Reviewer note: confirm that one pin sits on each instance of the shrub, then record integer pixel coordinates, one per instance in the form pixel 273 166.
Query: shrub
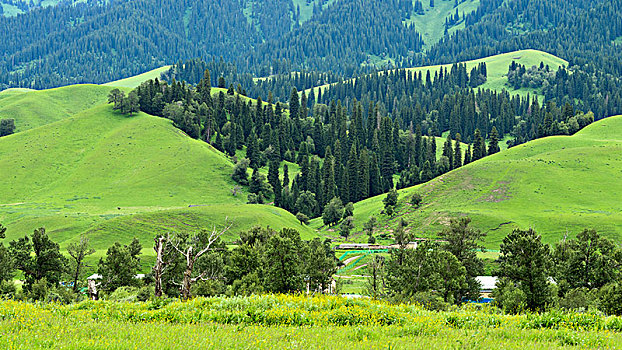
pixel 611 299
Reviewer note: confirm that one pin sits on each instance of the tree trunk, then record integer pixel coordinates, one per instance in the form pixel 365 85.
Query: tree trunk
pixel 158 268
pixel 186 284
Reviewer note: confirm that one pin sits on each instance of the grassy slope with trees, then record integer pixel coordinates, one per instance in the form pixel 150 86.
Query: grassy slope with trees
pixel 497 69
pixel 556 185
pixel 115 177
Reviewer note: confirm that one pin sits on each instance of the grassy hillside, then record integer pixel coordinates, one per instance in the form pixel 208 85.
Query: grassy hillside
pixel 32 109
pixel 431 24
pixel 136 80
pixel 116 177
pixel 556 185
pixel 497 69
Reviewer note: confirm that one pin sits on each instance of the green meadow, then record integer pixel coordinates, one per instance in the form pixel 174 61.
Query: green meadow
pixel 115 177
pixel 32 109
pixel 292 322
pixel 557 185
pixel 135 81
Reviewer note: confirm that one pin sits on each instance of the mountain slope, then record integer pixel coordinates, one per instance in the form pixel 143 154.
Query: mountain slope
pixel 95 171
pixel 497 69
pixel 556 185
pixel 32 109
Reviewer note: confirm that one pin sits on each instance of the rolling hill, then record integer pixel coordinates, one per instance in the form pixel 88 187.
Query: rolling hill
pixel 114 177
pixel 31 108
pixel 135 81
pixel 557 185
pixel 497 69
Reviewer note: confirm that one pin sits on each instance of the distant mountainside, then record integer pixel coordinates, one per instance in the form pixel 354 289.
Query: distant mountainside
pixel 99 42
pixel 95 41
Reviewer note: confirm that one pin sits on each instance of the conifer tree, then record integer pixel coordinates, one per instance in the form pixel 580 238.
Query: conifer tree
pixel 479 147
pixel 375 183
pixel 493 144
pixel 252 150
pixel 274 181
pixel 353 175
pixel 467 155
pixel 457 153
pixel 294 104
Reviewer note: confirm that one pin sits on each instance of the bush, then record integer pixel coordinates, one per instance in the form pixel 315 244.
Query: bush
pixel 416 200
pixel 510 299
pixel 255 199
pixel 39 290
pixel 61 295
pixel 7 290
pixel 145 293
pixel 125 293
pixel 580 299
pixel 209 288
pixel 240 174
pixel 431 301
pixel 611 299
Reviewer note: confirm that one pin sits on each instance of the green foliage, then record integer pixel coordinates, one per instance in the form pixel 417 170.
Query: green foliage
pixel 391 199
pixel 611 299
pixel 416 200
pixel 463 242
pixel 333 212
pixel 302 218
pixel 589 261
pixel 524 261
pixel 120 266
pixel 425 269
pixel 7 127
pixel 240 172
pixel 39 259
pixel 346 227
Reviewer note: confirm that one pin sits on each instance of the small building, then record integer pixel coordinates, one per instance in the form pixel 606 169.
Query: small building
pixel 487 285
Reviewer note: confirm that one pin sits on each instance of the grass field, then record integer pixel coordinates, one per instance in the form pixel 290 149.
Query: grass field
pixel 556 185
pixel 497 69
pixel 115 177
pixel 32 109
pixel 135 81
pixel 269 322
pixel 431 24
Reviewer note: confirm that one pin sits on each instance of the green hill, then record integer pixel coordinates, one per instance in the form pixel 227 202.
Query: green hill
pixel 497 69
pixel 135 81
pixel 31 108
pixel 556 185
pixel 115 177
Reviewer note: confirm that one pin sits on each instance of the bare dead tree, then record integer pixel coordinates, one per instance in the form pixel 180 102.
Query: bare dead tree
pixel 161 246
pixel 192 249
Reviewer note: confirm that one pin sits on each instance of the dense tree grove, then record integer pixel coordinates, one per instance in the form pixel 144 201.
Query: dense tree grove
pixel 351 151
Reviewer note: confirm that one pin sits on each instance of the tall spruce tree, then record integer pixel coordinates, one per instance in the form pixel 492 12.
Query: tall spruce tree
pixel 493 143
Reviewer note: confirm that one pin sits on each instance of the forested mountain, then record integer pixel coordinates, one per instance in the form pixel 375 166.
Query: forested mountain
pixel 96 42
pixel 577 30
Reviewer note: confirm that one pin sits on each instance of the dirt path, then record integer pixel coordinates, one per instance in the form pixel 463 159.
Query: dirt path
pixel 349 260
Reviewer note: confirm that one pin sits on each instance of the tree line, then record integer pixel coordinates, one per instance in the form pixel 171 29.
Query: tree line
pixel 578 273
pixel 187 265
